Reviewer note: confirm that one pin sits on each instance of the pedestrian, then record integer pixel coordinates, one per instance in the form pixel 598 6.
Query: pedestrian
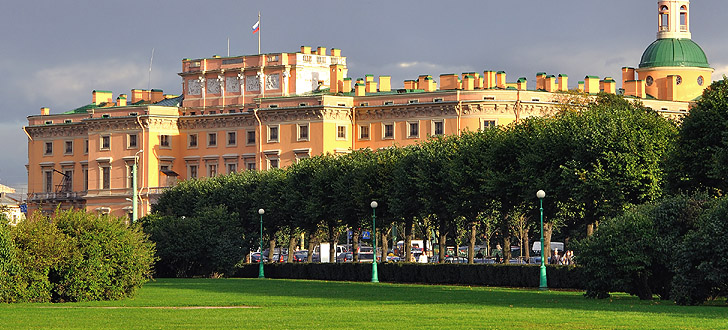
pixel 498 253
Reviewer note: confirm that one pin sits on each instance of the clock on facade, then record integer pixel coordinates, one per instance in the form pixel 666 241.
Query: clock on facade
pixel 649 80
pixel 678 80
pixel 700 81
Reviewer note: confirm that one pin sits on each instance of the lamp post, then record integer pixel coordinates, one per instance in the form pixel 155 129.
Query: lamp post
pixel 260 260
pixel 375 275
pixel 542 283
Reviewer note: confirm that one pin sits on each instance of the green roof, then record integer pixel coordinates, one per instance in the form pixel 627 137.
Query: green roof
pixel 674 52
pixel 81 109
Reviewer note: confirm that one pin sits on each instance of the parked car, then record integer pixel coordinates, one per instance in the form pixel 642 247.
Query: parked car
pixel 255 257
pixel 366 256
pixel 300 256
pixel 345 257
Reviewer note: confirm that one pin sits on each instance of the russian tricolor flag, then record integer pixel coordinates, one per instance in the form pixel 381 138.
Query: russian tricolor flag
pixel 256 27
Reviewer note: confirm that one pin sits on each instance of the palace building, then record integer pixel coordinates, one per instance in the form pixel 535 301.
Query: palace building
pixel 264 111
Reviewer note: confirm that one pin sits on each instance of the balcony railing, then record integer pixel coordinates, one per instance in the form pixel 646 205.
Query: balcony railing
pixel 56 196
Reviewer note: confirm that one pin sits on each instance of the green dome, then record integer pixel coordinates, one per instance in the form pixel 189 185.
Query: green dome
pixel 674 52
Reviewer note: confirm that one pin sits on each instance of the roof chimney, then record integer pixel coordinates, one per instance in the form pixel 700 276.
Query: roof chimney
pixel 45 111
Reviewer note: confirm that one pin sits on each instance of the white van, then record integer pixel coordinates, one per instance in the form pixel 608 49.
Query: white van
pixel 554 245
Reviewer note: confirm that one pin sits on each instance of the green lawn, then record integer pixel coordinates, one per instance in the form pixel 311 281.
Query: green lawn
pixel 293 304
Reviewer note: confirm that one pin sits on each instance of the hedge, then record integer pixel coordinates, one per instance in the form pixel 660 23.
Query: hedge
pixel 505 275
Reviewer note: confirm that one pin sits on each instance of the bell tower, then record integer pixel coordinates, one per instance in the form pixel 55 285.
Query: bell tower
pixel 673 19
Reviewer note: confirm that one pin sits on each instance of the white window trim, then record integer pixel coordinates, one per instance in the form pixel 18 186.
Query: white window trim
pixel 384 130
pixel 169 141
pixel 483 121
pixel 409 133
pixel 128 141
pixel 369 131
pixel 101 142
pixel 346 133
pixel 278 135
pixel 432 132
pixel 298 132
pixel 101 175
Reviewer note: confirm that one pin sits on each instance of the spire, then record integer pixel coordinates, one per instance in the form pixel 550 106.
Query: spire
pixel 673 20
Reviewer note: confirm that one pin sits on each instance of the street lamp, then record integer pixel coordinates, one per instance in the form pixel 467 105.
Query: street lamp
pixel 260 268
pixel 375 276
pixel 542 284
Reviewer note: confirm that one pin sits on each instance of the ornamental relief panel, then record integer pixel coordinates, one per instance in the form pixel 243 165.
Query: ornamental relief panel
pixel 217 122
pixel 407 112
pixel 112 125
pixel 57 131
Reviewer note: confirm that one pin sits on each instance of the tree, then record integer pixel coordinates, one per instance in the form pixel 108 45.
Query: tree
pixel 701 152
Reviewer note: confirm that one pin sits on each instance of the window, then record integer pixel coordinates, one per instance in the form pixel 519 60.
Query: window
pixel 48 122
pixel 302 104
pixel 649 80
pixel 211 139
pixel 364 132
pixel 85 146
pixel 105 142
pixel 250 165
pixel 133 114
pixel 48 148
pixel 251 137
pixel 302 132
pixel 683 18
pixel 232 138
pixel 488 124
pixel 232 167
pixel 164 141
pixel 439 99
pixel 388 131
pixel 413 129
pixel 535 99
pixel 273 106
pixel 192 171
pixel 48 181
pixel 211 170
pixel 232 111
pixel 340 132
pixel 192 141
pixel 106 115
pixel 364 104
pixel 68 180
pixel 438 127
pixel 85 179
pixel 272 133
pixel 105 177
pixel 388 102
pixel 130 176
pixel 413 101
pixel 664 19
pixel 69 148
pixel 489 98
pixel 68 121
pixel 131 141
pixel 272 163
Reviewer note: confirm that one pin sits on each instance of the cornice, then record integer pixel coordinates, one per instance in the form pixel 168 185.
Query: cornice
pixel 402 111
pixel 71 130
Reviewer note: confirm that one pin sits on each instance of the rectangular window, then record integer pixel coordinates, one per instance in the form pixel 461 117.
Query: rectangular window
pixel 211 170
pixel 250 166
pixel 364 104
pixel 272 134
pixel 212 139
pixel 250 137
pixel 131 141
pixel 413 129
pixel 388 131
pixel 232 138
pixel 105 142
pixel 48 148
pixel 69 148
pixel 488 124
pixel 341 132
pixel 364 132
pixel 388 102
pixel 193 171
pixel 438 99
pixel 302 132
pixel 85 179
pixel 413 101
pixel 129 176
pixel 48 184
pixel 273 163
pixel 164 141
pixel 192 141
pixel 68 183
pixel 489 98
pixel 105 177
pixel 232 168
pixel 85 146
pixel 438 127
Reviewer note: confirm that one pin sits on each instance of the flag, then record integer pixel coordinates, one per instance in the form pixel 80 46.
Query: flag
pixel 256 27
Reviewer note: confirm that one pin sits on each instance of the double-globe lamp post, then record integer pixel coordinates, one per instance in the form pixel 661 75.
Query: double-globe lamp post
pixel 542 284
pixel 260 263
pixel 375 276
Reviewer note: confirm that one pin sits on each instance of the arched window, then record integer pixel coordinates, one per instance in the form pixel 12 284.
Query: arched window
pixel 664 19
pixel 684 18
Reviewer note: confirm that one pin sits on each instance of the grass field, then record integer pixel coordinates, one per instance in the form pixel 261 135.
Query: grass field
pixel 294 304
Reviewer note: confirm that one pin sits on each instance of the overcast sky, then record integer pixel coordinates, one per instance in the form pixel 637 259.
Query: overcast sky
pixel 54 53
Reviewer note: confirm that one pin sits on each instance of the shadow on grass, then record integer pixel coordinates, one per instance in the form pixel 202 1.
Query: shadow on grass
pixel 390 293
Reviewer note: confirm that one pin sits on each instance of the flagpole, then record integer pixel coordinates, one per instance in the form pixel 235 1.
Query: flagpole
pixel 259 32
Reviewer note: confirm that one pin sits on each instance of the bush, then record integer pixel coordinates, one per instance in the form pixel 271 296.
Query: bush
pixel 73 257
pixel 206 244
pixel 110 259
pixel 564 277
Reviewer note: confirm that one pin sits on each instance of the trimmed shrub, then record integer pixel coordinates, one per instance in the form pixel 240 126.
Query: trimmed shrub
pixel 210 243
pixel 110 260
pixel 9 268
pixel 563 277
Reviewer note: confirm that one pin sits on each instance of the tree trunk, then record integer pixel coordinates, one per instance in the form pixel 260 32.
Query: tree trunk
pixel 409 227
pixel 311 246
pixel 356 233
pixel 589 229
pixel 471 243
pixel 292 241
pixel 333 240
pixel 527 245
pixel 546 244
pixel 271 247
pixel 385 246
pixel 506 232
pixel 442 242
